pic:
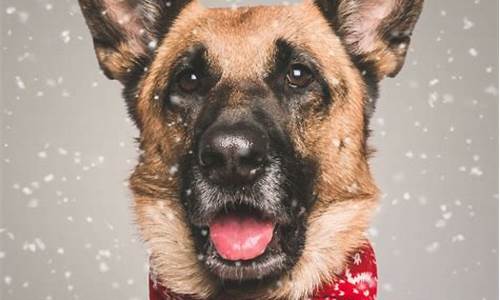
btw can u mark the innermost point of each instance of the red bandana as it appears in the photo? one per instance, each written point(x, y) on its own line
point(359, 281)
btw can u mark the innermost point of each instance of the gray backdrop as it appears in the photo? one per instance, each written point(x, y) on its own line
point(66, 143)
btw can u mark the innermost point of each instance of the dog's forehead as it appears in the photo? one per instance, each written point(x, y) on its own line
point(241, 41)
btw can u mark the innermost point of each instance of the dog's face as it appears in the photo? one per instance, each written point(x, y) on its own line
point(253, 127)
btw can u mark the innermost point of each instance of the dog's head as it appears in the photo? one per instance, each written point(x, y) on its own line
point(253, 126)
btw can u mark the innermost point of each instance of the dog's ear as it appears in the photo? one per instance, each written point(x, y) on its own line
point(376, 32)
point(126, 32)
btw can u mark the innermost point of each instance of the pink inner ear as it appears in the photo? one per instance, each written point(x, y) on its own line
point(125, 14)
point(368, 15)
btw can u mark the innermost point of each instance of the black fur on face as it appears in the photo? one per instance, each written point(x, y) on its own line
point(283, 192)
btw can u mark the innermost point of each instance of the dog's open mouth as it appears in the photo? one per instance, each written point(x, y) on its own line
point(248, 234)
point(241, 235)
point(244, 244)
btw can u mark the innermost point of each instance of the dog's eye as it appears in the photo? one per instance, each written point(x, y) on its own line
point(188, 81)
point(299, 76)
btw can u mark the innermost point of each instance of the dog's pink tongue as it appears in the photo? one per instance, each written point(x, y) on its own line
point(239, 237)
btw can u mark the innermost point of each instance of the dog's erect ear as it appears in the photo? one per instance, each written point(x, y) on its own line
point(126, 32)
point(376, 32)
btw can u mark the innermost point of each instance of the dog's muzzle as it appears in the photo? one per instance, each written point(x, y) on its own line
point(235, 157)
point(244, 202)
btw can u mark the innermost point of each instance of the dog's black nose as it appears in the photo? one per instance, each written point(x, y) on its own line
point(233, 155)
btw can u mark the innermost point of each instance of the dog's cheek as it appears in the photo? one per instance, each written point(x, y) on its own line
point(164, 132)
point(157, 174)
point(336, 142)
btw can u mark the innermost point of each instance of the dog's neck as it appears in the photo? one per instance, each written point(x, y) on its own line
point(358, 282)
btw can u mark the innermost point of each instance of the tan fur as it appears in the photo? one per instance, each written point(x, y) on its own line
point(173, 260)
point(333, 233)
point(118, 63)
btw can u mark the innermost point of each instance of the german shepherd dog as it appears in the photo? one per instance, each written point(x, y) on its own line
point(253, 178)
